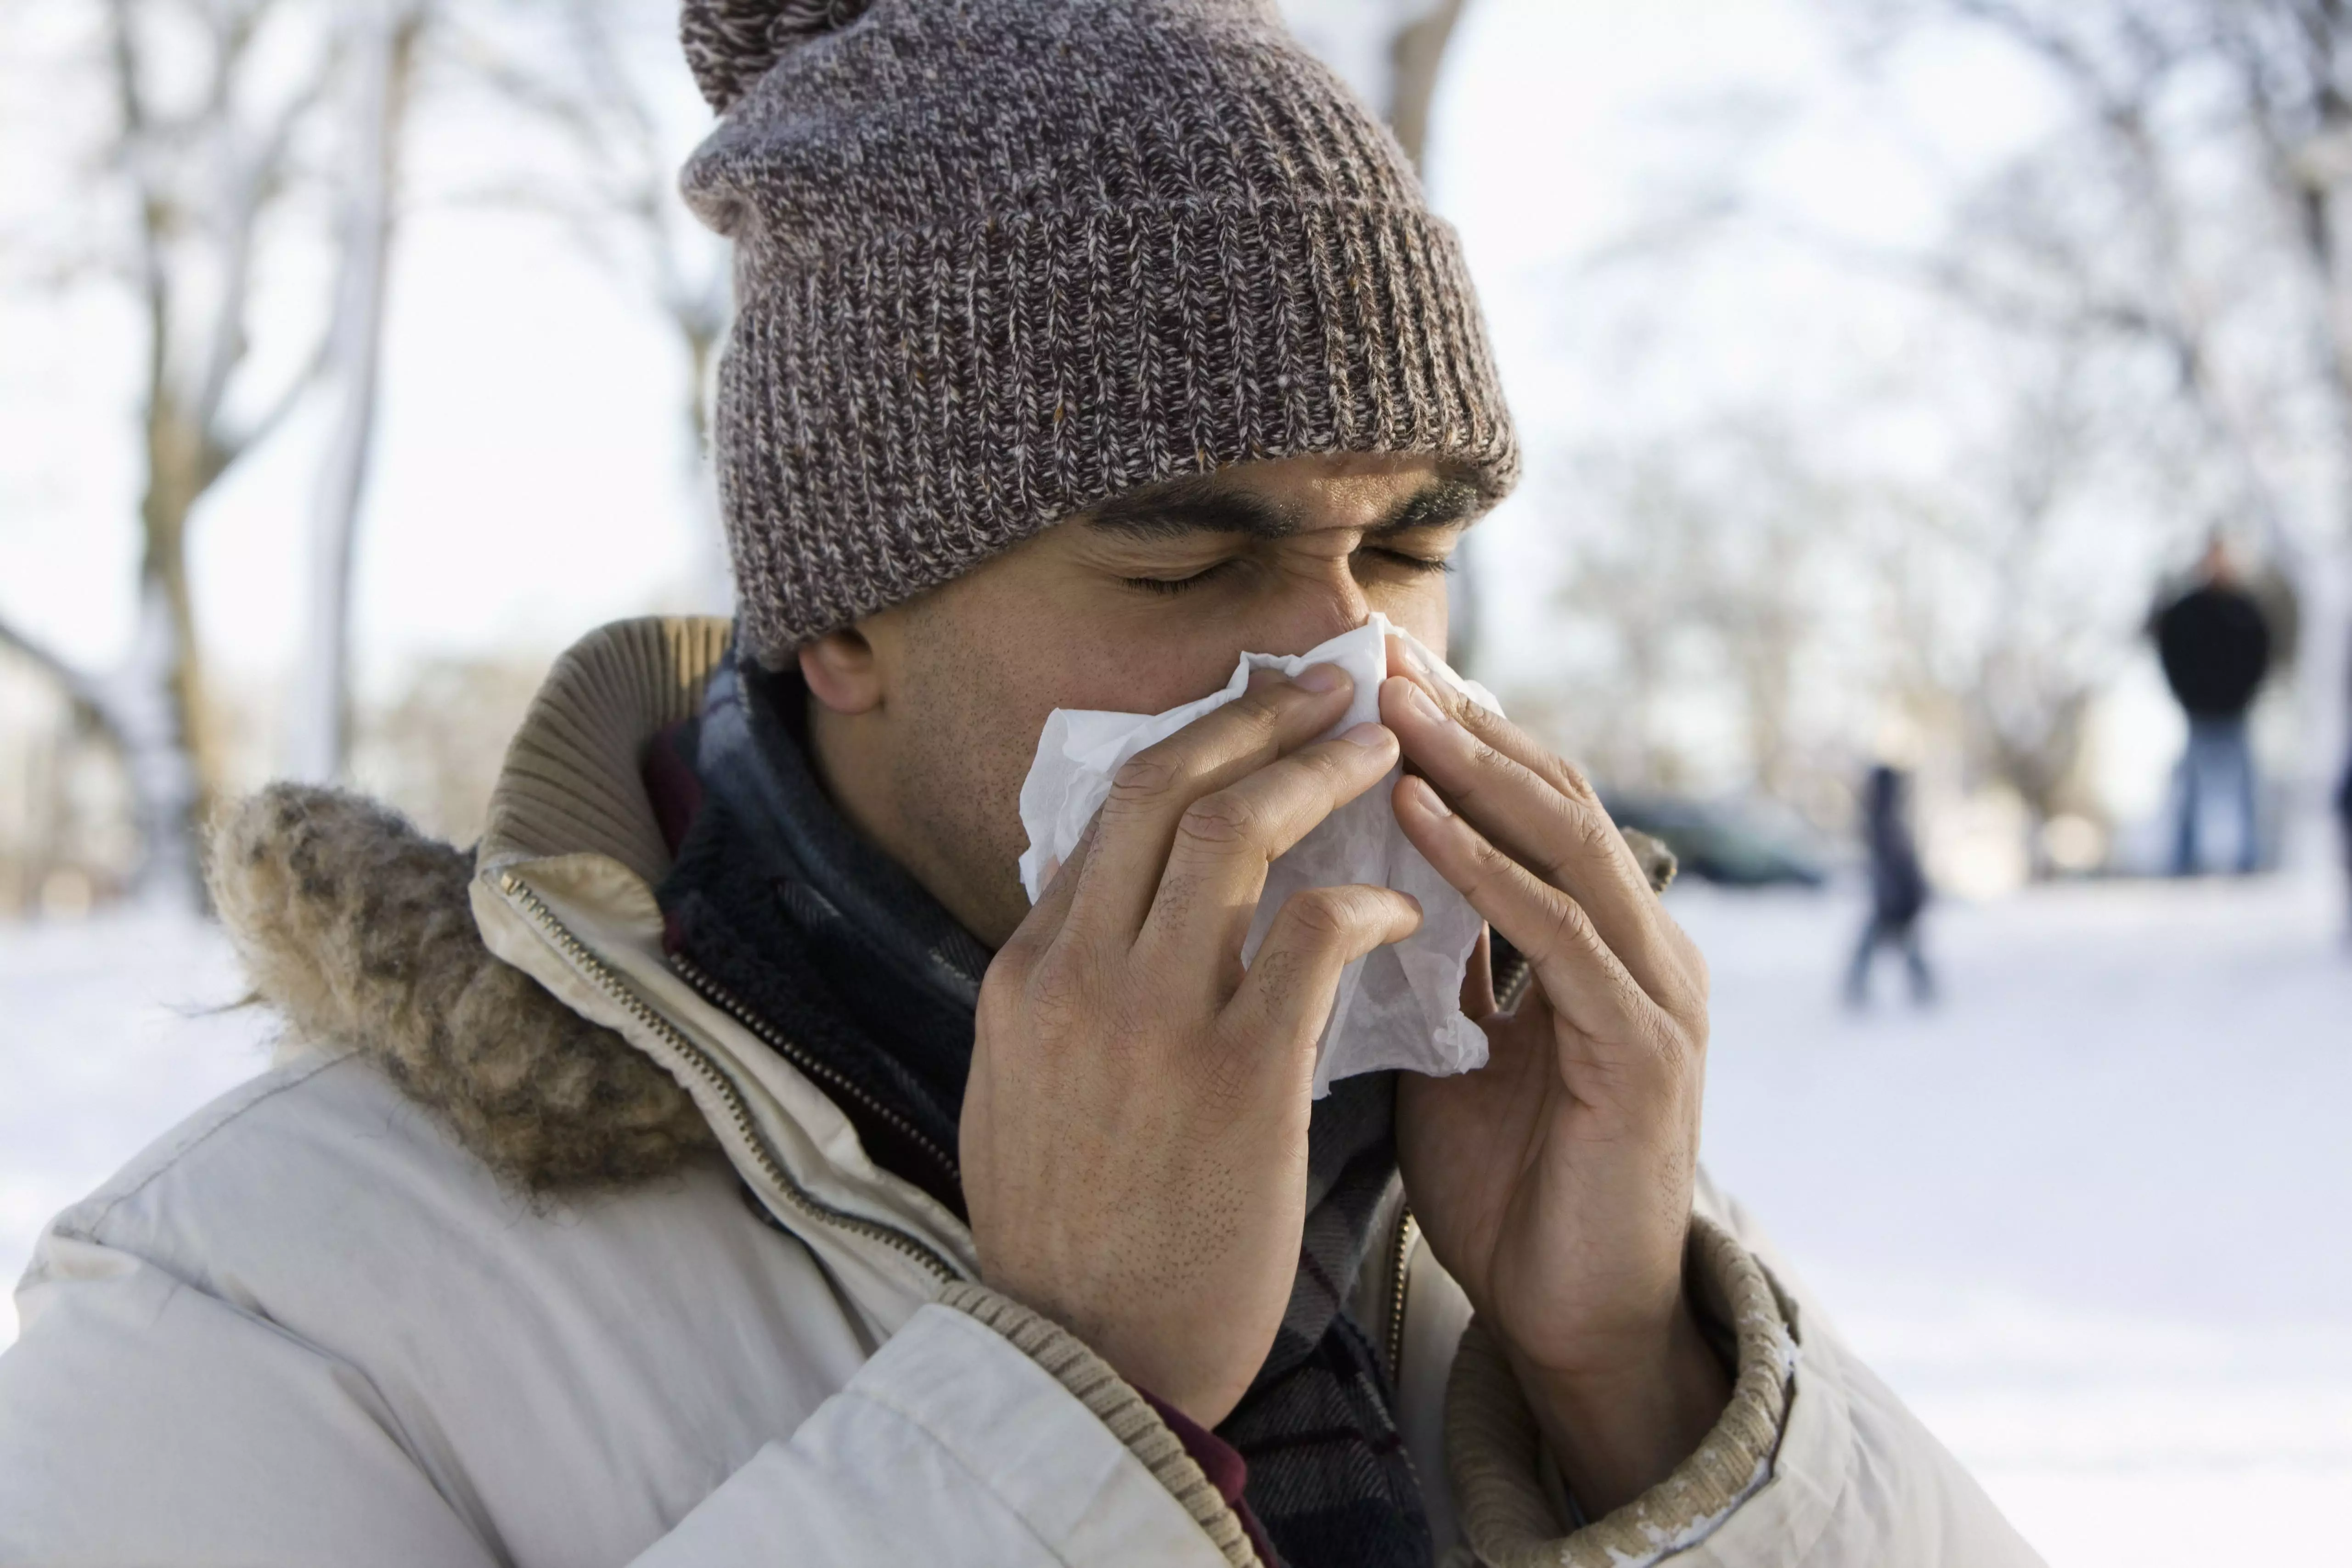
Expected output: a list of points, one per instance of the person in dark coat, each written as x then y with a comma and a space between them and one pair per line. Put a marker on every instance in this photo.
2343, 815
1898, 889
2215, 644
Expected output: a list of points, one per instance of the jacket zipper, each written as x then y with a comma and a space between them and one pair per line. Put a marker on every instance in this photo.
711, 991
602, 975
1408, 1228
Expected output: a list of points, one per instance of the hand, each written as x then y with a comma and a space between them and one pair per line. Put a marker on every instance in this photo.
1134, 1136
1555, 1183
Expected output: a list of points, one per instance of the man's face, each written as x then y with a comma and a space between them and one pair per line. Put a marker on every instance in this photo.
1143, 603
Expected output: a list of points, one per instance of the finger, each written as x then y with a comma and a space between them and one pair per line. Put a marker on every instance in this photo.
1051, 912
1491, 726
1226, 840
1317, 933
1569, 842
1152, 791
1584, 978
1493, 729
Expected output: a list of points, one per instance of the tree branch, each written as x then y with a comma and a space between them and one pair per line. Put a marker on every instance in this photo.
257, 182
87, 695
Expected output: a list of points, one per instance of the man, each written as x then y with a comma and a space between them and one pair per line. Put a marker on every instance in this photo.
2216, 648
724, 1163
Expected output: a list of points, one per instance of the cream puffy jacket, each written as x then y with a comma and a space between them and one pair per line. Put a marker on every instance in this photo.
317, 1324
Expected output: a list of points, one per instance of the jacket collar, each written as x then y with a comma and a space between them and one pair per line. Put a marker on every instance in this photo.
563, 891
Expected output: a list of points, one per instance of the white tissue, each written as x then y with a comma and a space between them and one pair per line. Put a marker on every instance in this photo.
1401, 1005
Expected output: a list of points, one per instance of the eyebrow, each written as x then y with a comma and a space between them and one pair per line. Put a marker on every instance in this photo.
1199, 505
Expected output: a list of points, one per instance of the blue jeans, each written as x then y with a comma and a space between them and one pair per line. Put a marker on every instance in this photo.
2219, 764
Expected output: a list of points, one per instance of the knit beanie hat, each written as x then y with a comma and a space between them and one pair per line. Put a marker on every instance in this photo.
998, 260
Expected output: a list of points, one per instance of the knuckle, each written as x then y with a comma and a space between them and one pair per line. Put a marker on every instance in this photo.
1570, 928
1054, 989
1320, 913
1145, 777
1490, 862
1262, 706
1222, 819
1595, 833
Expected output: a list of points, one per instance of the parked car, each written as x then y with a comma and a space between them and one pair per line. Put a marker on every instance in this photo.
1721, 842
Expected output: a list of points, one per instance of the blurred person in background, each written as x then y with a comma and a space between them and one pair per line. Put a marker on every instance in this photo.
1898, 889
725, 1162
2215, 644
2344, 823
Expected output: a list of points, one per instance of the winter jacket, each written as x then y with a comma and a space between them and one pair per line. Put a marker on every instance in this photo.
461, 1282
1899, 886
2216, 647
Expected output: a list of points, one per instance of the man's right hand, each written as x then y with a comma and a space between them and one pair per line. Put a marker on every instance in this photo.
1134, 1136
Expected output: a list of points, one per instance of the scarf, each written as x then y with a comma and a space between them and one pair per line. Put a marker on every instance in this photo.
779, 912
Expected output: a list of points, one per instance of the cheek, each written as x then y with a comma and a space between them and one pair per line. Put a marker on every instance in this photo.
1419, 606
1100, 650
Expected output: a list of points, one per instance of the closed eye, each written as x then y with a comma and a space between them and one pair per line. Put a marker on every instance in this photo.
1181, 584
1408, 561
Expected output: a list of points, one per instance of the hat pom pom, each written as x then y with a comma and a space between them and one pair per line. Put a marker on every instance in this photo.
731, 44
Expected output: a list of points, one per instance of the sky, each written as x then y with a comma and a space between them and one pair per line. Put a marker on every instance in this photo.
530, 471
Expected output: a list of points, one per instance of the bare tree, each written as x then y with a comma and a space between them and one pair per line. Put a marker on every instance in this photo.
1692, 586
213, 101
381, 42
1994, 615
2194, 204
603, 75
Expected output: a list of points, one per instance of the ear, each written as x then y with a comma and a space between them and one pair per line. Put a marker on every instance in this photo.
842, 672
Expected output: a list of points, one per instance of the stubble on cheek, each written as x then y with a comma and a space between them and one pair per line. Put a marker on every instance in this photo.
960, 772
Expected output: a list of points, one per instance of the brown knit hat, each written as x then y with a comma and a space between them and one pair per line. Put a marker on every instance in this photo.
998, 260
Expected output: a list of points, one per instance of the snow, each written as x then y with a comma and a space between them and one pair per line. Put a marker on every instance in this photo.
112, 1030
2088, 1216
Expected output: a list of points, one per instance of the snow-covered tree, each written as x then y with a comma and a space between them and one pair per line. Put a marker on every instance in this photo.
215, 116
604, 82
379, 40
2179, 236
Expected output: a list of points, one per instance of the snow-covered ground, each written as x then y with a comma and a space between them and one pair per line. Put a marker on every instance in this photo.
2092, 1216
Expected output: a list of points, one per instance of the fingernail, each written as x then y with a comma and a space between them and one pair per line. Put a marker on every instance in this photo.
1430, 799
1321, 678
1426, 708
1368, 736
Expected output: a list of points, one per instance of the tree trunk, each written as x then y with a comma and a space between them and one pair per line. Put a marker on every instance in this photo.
158, 698
384, 35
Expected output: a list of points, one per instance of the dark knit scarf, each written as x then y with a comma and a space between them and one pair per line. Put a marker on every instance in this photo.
777, 910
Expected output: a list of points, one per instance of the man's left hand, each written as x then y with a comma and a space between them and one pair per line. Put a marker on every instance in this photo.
1555, 1183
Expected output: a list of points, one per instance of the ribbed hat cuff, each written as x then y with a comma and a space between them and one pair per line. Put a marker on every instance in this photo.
894, 414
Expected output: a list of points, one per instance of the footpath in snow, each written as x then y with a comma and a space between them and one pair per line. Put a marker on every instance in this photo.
2092, 1215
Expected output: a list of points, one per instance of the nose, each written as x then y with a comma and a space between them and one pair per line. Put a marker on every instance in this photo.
1314, 603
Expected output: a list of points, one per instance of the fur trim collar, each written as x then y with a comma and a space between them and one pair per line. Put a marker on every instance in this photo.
357, 928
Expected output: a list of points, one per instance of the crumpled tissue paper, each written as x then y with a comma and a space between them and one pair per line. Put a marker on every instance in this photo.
1398, 1006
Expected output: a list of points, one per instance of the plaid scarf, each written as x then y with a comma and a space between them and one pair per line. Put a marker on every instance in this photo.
779, 911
